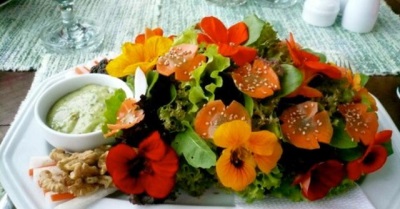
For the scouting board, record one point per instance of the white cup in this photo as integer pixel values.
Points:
(360, 15)
(320, 13)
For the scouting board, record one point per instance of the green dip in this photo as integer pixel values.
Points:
(80, 111)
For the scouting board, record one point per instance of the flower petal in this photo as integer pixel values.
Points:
(168, 165)
(184, 72)
(153, 147)
(374, 159)
(228, 134)
(267, 163)
(175, 58)
(233, 177)
(118, 158)
(244, 55)
(158, 186)
(238, 33)
(214, 29)
(262, 142)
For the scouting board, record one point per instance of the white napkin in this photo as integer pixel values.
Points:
(354, 198)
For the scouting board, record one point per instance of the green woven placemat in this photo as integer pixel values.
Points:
(374, 53)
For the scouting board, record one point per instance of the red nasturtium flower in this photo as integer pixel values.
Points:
(373, 159)
(181, 60)
(258, 80)
(360, 124)
(244, 150)
(150, 168)
(304, 126)
(310, 66)
(228, 40)
(214, 113)
(129, 115)
(316, 183)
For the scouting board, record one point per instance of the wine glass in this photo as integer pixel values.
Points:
(71, 34)
(228, 2)
(277, 3)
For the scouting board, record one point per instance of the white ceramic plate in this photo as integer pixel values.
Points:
(382, 188)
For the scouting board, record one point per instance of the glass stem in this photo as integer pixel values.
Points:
(68, 19)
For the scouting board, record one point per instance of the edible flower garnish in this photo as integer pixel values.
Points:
(373, 159)
(243, 151)
(149, 169)
(310, 66)
(143, 55)
(229, 40)
(321, 177)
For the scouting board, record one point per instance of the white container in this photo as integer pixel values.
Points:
(342, 6)
(320, 13)
(360, 15)
(66, 141)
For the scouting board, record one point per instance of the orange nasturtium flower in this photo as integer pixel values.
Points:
(134, 55)
(148, 33)
(360, 124)
(228, 40)
(310, 66)
(181, 60)
(129, 115)
(304, 126)
(258, 80)
(243, 152)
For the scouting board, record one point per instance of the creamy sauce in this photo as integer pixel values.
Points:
(80, 111)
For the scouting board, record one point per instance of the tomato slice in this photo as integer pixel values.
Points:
(305, 127)
(258, 80)
(215, 113)
(360, 124)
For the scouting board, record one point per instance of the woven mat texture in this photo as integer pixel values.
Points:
(374, 53)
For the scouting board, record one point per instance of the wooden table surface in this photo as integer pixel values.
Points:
(15, 85)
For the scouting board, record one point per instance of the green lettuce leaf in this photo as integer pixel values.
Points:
(341, 139)
(290, 81)
(112, 106)
(152, 77)
(195, 150)
(189, 36)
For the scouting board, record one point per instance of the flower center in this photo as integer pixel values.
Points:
(237, 157)
(136, 166)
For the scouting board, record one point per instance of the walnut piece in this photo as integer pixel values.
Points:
(80, 173)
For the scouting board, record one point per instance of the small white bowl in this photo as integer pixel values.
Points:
(67, 141)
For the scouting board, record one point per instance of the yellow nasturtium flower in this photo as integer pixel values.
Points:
(143, 55)
(244, 151)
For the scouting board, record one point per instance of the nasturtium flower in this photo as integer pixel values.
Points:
(320, 179)
(310, 66)
(228, 40)
(214, 113)
(148, 33)
(305, 127)
(128, 115)
(373, 158)
(258, 80)
(243, 152)
(181, 60)
(151, 168)
(361, 124)
(134, 55)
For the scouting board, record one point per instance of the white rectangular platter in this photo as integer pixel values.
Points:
(23, 140)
